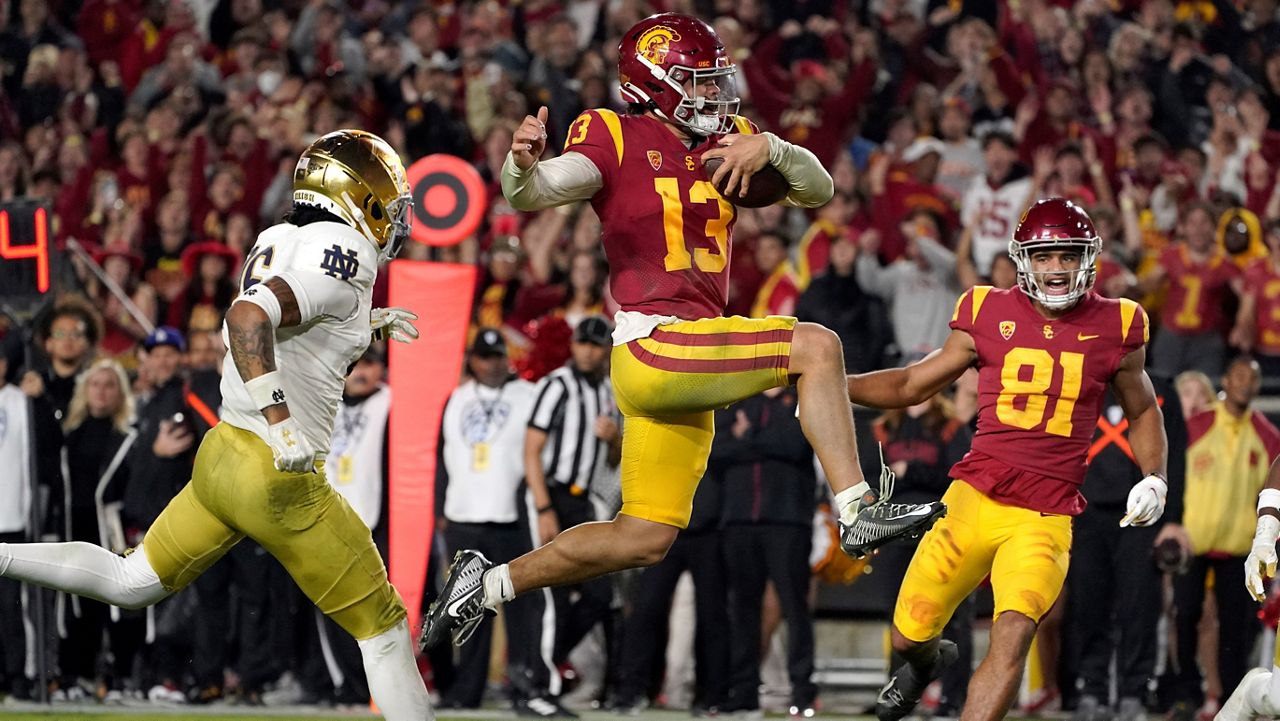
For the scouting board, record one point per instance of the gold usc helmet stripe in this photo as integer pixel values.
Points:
(358, 177)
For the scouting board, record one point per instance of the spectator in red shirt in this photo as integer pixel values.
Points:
(896, 193)
(780, 290)
(122, 330)
(1114, 279)
(1078, 174)
(1052, 124)
(211, 267)
(104, 25)
(1258, 320)
(138, 177)
(831, 225)
(226, 192)
(1197, 275)
(808, 106)
(1132, 122)
(499, 284)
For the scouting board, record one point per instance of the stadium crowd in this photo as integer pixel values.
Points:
(163, 134)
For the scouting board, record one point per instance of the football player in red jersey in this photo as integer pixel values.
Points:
(666, 232)
(1045, 353)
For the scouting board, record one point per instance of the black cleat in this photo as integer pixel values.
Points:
(460, 607)
(900, 696)
(879, 522)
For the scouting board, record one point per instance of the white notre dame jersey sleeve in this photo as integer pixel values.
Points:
(331, 268)
(992, 214)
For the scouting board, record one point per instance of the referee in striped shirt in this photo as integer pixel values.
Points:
(573, 436)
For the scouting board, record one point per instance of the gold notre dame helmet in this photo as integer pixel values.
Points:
(358, 177)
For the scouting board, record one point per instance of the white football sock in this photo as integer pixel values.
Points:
(394, 681)
(498, 588)
(85, 570)
(849, 502)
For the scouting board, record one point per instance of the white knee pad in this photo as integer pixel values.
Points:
(139, 582)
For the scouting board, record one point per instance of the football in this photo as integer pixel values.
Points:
(767, 185)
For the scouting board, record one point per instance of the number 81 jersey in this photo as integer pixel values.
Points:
(1041, 383)
(666, 228)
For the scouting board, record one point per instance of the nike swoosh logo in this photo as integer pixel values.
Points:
(884, 696)
(1082, 336)
(917, 512)
(454, 608)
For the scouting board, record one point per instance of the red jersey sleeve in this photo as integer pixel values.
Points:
(597, 134)
(1135, 328)
(1255, 275)
(1227, 271)
(1199, 424)
(1269, 434)
(966, 313)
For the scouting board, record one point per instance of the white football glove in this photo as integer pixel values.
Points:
(1261, 563)
(290, 448)
(394, 323)
(1146, 502)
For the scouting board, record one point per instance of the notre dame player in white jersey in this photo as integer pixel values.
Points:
(303, 316)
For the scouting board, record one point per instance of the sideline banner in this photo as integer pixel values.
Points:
(422, 375)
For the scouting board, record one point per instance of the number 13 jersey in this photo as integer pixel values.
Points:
(666, 228)
(1041, 384)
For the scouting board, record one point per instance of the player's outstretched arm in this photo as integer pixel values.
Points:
(902, 387)
(251, 323)
(531, 184)
(1150, 446)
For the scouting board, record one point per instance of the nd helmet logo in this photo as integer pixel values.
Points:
(1006, 329)
(654, 43)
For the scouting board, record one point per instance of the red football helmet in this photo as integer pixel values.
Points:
(676, 66)
(1060, 224)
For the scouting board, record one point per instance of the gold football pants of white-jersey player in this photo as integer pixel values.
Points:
(236, 491)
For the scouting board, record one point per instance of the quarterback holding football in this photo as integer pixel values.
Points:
(667, 229)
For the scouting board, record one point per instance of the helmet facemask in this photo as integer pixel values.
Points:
(696, 111)
(1036, 284)
(399, 212)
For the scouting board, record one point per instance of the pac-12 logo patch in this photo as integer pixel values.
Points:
(1006, 329)
(655, 160)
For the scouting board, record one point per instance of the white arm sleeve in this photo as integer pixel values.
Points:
(941, 260)
(320, 294)
(811, 184)
(568, 178)
(873, 277)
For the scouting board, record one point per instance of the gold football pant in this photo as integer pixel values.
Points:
(1025, 552)
(236, 491)
(669, 384)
